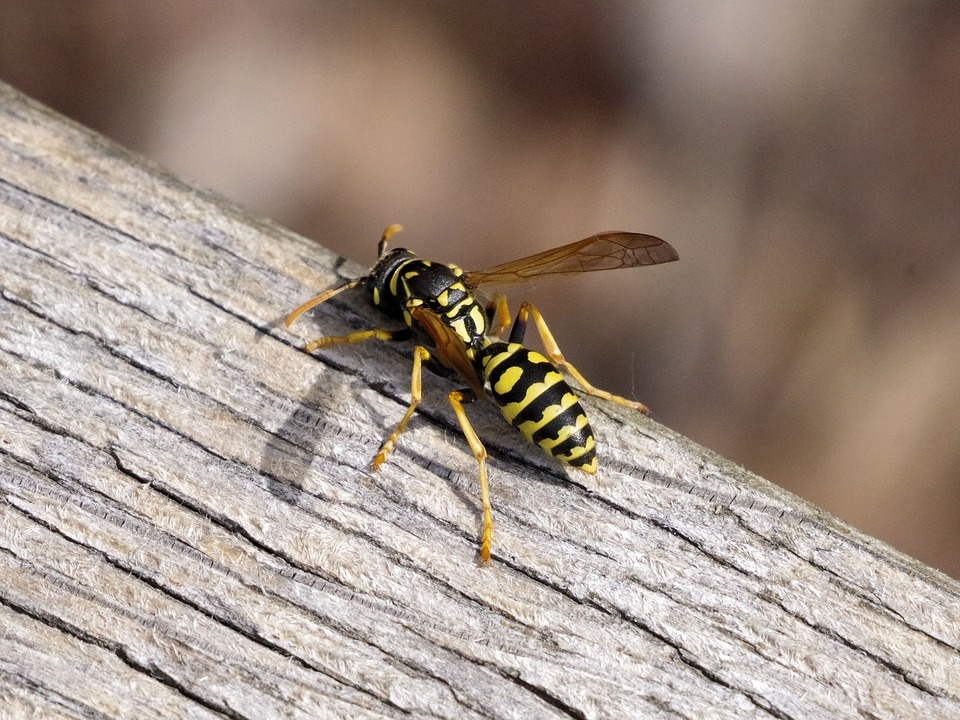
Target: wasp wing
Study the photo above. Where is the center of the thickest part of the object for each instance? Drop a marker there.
(603, 251)
(449, 347)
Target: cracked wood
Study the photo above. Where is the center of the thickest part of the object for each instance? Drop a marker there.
(189, 527)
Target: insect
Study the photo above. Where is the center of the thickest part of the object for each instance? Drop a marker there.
(440, 303)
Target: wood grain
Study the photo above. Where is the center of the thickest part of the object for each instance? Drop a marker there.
(189, 527)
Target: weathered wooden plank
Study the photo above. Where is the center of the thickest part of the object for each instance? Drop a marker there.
(189, 527)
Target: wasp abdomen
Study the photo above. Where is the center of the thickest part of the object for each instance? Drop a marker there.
(535, 399)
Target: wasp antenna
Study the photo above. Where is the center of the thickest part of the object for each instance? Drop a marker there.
(387, 234)
(321, 298)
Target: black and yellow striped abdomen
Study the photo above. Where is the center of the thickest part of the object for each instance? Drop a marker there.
(535, 399)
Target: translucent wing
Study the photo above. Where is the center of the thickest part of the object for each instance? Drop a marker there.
(603, 251)
(449, 347)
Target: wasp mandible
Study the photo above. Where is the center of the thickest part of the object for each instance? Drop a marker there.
(440, 303)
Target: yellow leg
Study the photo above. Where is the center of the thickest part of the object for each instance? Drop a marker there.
(355, 337)
(419, 355)
(553, 352)
(498, 315)
(456, 399)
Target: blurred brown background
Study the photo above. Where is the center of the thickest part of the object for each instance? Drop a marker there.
(804, 158)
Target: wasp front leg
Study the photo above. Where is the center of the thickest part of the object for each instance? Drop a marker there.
(553, 352)
(357, 337)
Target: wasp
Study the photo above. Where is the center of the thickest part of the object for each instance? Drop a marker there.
(441, 303)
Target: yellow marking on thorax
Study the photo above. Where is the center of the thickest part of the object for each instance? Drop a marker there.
(460, 328)
(479, 319)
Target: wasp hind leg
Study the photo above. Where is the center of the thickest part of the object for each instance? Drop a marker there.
(498, 315)
(553, 352)
(457, 398)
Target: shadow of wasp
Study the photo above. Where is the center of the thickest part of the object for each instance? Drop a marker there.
(438, 303)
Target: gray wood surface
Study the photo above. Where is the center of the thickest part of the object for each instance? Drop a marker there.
(189, 527)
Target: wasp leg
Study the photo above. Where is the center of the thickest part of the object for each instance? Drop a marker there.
(553, 352)
(359, 336)
(498, 315)
(457, 398)
(420, 354)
